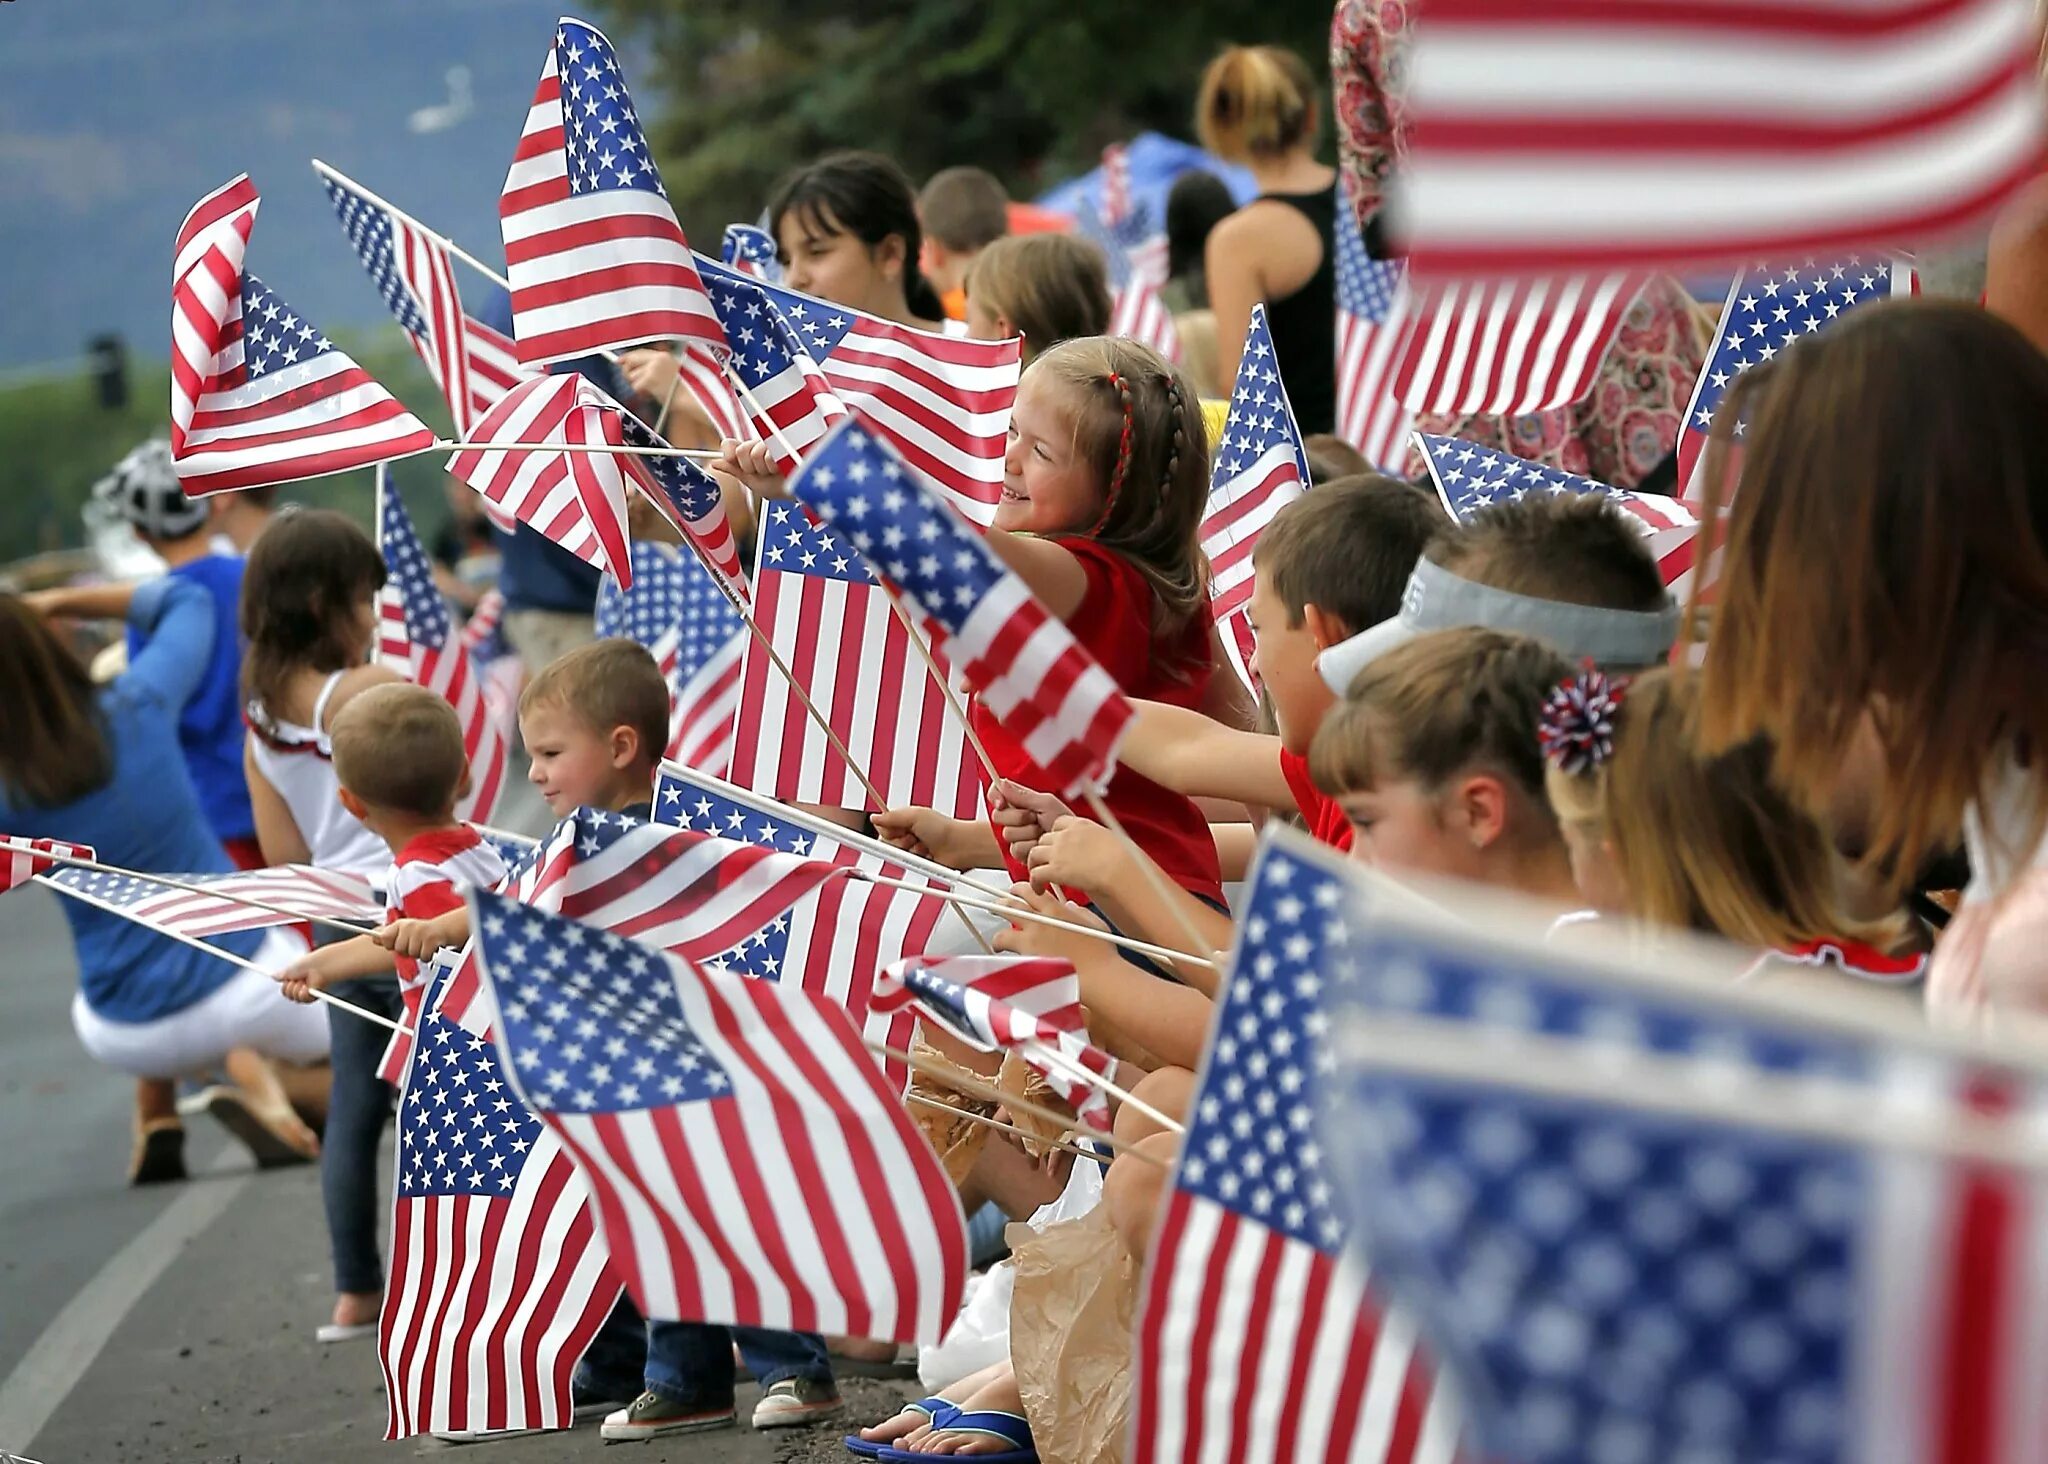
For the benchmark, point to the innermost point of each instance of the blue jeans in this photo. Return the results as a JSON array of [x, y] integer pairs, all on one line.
[[358, 1104], [690, 1363]]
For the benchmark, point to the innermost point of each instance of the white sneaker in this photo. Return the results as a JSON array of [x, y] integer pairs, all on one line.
[[794, 1402], [478, 1435]]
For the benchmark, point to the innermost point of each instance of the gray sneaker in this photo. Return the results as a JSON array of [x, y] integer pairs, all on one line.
[[651, 1416], [794, 1402]]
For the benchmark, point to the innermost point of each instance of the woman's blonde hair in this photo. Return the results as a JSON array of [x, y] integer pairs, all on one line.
[[1050, 287], [1138, 426], [1706, 842], [1256, 101]]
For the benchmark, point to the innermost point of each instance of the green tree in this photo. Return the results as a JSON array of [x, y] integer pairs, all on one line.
[[1028, 89]]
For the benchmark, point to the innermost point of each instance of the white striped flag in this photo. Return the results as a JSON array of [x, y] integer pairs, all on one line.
[[697, 640], [1370, 415], [834, 942], [1584, 134], [258, 395], [1767, 310], [417, 638], [1260, 467], [960, 993], [577, 499], [749, 249], [1019, 659], [833, 627], [689, 498], [1257, 1337], [942, 401], [1507, 349], [20, 864], [499, 1279], [218, 903], [788, 398], [1470, 478], [595, 255], [749, 1165]]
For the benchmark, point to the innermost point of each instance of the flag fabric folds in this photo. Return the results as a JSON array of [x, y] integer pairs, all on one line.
[[1509, 348], [595, 255], [1260, 467], [748, 1163], [417, 638], [788, 399], [498, 1278], [1590, 133], [689, 498], [1370, 415], [19, 864], [1134, 252], [695, 638], [219, 905], [1020, 660], [258, 395]]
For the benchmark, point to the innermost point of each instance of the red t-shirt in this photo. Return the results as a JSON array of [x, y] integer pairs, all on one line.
[[1114, 623], [1325, 819]]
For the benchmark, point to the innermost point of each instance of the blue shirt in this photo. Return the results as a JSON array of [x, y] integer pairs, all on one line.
[[145, 817], [210, 728]]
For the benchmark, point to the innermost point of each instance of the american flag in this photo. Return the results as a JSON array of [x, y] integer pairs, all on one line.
[[1469, 478], [595, 255], [700, 376], [749, 1165], [689, 498], [750, 250], [498, 1277], [695, 638], [219, 903], [1020, 660], [483, 633], [1627, 132], [1257, 1338], [832, 625], [1697, 1275], [575, 499], [942, 401], [1369, 316], [20, 864], [834, 943], [417, 638], [1116, 184], [259, 396], [793, 402], [413, 272], [959, 993], [1768, 309], [1136, 255], [1511, 348], [1260, 468]]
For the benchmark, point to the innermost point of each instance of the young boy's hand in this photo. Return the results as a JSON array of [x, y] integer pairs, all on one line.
[[302, 978], [1031, 938], [1079, 854], [1023, 816], [753, 464], [419, 939], [928, 833]]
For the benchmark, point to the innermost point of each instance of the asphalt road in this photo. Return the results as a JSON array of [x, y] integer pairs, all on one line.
[[177, 1323]]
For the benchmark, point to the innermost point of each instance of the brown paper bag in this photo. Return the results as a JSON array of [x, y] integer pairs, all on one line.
[[1070, 1337]]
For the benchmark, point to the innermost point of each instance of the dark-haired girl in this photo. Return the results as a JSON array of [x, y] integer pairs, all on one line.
[[847, 229]]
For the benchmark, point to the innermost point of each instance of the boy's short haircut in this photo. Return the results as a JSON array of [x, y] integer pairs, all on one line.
[[1577, 549], [1347, 548], [964, 208], [399, 747], [1330, 457], [607, 684]]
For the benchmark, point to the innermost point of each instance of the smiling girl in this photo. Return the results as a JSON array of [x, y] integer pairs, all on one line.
[[846, 227]]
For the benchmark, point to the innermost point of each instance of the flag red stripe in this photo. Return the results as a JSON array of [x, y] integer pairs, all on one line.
[[1741, 17]]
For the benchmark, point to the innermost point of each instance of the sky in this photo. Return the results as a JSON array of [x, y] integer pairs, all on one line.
[[117, 115]]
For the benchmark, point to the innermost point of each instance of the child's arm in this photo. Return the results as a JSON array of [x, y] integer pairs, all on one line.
[[277, 831], [1168, 1020], [419, 939], [1083, 855], [957, 843], [84, 602], [320, 969], [1201, 758]]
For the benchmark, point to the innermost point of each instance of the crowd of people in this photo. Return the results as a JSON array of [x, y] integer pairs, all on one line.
[[1845, 789]]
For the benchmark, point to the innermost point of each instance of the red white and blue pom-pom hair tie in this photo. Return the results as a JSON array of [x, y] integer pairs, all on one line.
[[1576, 728]]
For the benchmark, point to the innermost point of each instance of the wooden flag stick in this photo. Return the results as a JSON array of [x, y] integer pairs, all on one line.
[[962, 1082], [171, 882], [213, 950], [605, 449], [396, 212], [998, 1125]]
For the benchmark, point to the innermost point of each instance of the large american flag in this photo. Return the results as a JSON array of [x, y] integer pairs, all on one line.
[[219, 903], [417, 638], [835, 942], [259, 396], [749, 249], [576, 499], [1370, 415], [696, 639], [1590, 133], [596, 258], [19, 864], [1702, 1275], [749, 1164], [942, 401], [1019, 659], [1469, 478], [1260, 468], [472, 364], [1768, 308], [498, 1278], [1257, 1338], [832, 625]]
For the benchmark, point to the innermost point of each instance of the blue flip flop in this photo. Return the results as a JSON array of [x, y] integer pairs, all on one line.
[[1011, 1428], [935, 1408]]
